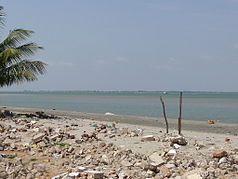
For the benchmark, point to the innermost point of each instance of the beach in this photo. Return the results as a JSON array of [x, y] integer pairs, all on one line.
[[53, 142], [188, 125]]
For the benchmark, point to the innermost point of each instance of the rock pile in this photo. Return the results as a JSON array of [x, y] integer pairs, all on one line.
[[51, 151]]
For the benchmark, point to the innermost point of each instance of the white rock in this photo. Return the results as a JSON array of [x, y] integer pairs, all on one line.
[[192, 176], [59, 176], [121, 175], [148, 138], [172, 152], [74, 174], [80, 169], [157, 159], [88, 157], [170, 165], [223, 160], [176, 146], [33, 122], [36, 129]]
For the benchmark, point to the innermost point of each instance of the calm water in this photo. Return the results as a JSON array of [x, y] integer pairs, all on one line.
[[196, 105]]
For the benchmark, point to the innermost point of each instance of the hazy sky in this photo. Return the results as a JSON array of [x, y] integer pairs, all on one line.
[[131, 44]]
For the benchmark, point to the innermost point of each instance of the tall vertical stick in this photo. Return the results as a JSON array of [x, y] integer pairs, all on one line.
[[180, 113], [164, 113]]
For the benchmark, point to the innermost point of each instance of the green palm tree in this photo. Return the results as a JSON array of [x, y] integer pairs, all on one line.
[[15, 67]]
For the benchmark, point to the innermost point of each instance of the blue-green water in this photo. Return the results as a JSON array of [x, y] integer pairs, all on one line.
[[196, 105]]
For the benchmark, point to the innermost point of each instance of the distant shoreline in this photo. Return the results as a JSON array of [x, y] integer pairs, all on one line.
[[188, 125], [116, 91]]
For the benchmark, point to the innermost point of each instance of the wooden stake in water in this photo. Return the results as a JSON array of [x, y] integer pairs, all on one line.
[[164, 113], [180, 113]]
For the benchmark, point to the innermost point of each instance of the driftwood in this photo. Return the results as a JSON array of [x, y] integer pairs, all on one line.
[[180, 113], [164, 113]]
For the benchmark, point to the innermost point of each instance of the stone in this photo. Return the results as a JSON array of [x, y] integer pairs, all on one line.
[[38, 137], [105, 159], [150, 173], [192, 176], [70, 150], [74, 174], [176, 146], [36, 129], [170, 165], [126, 163], [54, 137], [157, 159], [80, 169], [219, 154], [8, 142], [3, 175], [172, 152], [33, 122], [235, 159], [60, 176], [94, 174], [13, 146], [122, 175], [102, 144], [165, 171], [148, 138], [223, 160], [178, 140]]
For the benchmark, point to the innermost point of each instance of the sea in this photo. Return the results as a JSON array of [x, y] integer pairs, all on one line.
[[199, 106]]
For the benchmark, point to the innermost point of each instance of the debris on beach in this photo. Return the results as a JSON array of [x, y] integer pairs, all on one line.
[[109, 114], [211, 122], [227, 139], [178, 140], [148, 138], [35, 147]]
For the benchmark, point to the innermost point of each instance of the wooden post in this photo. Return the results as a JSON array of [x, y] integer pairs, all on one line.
[[164, 113], [180, 113]]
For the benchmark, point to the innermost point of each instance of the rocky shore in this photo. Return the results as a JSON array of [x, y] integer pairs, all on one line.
[[46, 144]]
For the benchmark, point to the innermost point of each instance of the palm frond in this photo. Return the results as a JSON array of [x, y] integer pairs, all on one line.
[[2, 15], [12, 55], [16, 77], [14, 38], [22, 71], [28, 49], [8, 56]]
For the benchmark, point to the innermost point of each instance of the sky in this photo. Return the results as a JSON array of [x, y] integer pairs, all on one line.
[[130, 44]]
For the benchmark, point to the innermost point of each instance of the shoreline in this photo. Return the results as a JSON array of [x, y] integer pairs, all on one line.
[[187, 125]]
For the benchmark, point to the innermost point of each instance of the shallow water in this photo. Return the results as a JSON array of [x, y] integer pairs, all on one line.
[[196, 105]]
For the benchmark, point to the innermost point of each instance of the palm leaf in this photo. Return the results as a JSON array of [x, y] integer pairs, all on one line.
[[15, 38], [16, 77], [2, 15], [22, 71], [12, 55]]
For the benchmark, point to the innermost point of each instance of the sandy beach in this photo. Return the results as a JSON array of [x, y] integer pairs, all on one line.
[[113, 146], [187, 125]]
